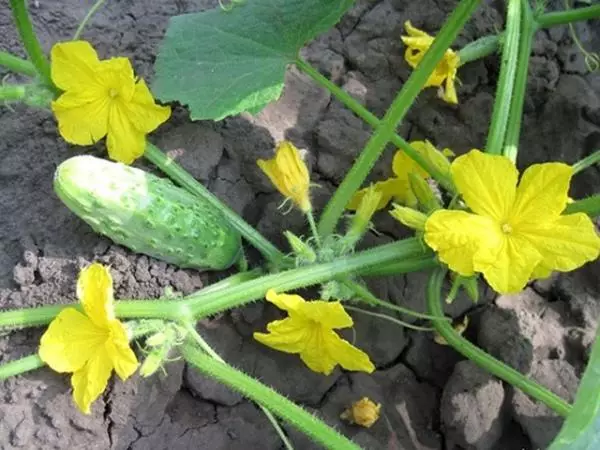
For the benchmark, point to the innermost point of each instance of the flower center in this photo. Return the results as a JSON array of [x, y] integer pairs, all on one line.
[[112, 92], [506, 228]]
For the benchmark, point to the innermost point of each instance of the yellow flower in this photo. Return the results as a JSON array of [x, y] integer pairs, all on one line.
[[418, 42], [288, 172], [89, 344], [308, 331], [398, 187], [514, 233], [364, 412], [102, 98]]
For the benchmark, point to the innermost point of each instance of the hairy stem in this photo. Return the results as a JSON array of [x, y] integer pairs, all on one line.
[[571, 15], [12, 92], [17, 65], [20, 366], [481, 358]]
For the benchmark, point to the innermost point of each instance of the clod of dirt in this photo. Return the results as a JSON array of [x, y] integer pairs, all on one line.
[[539, 422], [471, 408], [209, 389]]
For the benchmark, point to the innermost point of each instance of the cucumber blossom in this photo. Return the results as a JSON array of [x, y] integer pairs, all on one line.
[[146, 213]]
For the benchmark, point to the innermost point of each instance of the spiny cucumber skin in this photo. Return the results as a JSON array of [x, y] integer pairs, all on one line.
[[146, 213]]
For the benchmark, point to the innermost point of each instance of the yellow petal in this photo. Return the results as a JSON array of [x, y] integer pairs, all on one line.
[[403, 164], [415, 32], [457, 236], [565, 243], [449, 93], [508, 267], [315, 353], [125, 143], [91, 380], [287, 335], [289, 174], [347, 355], [287, 302], [74, 65], [328, 314], [116, 76], [95, 291], [82, 117], [70, 340], [122, 357], [542, 194], [487, 183], [144, 113]]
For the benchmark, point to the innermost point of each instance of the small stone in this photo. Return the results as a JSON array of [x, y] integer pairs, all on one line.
[[23, 275], [471, 408]]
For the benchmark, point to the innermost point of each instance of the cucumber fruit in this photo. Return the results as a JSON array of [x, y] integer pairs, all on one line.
[[147, 214]]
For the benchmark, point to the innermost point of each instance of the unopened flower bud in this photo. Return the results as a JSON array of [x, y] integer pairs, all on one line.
[[364, 412], [424, 193], [152, 363], [300, 248], [361, 220], [409, 217]]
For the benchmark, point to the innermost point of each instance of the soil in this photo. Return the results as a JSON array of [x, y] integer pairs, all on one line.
[[431, 397]]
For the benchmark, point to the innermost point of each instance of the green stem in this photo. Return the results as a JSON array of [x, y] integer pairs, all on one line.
[[513, 130], [586, 162], [12, 92], [399, 267], [368, 297], [388, 318], [17, 65], [313, 228], [480, 48], [201, 306], [506, 80], [233, 280], [185, 180], [571, 15], [19, 366], [30, 41], [87, 17], [201, 342], [481, 358], [589, 205], [372, 120], [258, 392], [387, 127]]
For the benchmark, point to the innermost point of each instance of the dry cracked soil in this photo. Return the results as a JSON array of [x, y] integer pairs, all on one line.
[[432, 398]]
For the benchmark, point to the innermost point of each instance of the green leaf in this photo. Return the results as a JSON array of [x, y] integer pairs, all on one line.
[[581, 430], [221, 63]]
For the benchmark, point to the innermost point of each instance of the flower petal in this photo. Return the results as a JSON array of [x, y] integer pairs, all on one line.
[[542, 194], [82, 117], [508, 267], [74, 65], [457, 236], [487, 183], [144, 113], [91, 380], [124, 142], [70, 340], [402, 164], [389, 189], [315, 353], [565, 244], [287, 335], [287, 302], [347, 355], [121, 355], [95, 291], [328, 314]]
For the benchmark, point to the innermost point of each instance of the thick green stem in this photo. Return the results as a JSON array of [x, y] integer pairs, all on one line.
[[201, 342], [400, 267], [506, 80], [30, 41], [479, 48], [205, 305], [511, 139], [258, 392], [12, 92], [387, 127], [19, 366], [589, 205], [372, 120], [586, 162], [571, 15], [185, 180], [17, 65], [481, 358]]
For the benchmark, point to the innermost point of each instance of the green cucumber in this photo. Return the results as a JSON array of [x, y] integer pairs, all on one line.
[[147, 214]]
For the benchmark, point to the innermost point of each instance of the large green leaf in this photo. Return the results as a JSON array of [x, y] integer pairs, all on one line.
[[222, 63], [581, 430]]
